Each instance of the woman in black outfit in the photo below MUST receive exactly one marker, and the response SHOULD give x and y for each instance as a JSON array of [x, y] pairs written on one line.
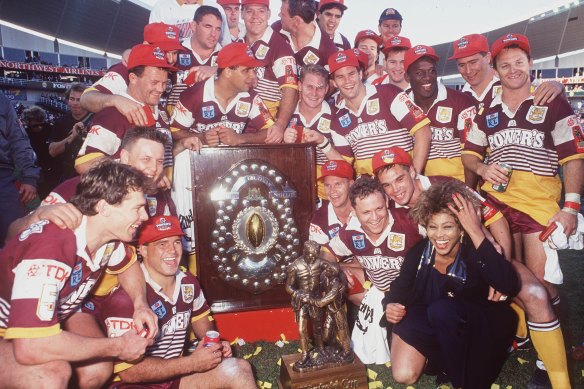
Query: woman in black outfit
[[439, 304]]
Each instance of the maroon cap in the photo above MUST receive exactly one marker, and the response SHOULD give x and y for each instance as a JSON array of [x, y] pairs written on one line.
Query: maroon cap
[[469, 45], [337, 168], [159, 227], [390, 156], [148, 55], [340, 3], [396, 42], [509, 40], [367, 34], [260, 2], [229, 2], [163, 35], [343, 58], [237, 54], [417, 52]]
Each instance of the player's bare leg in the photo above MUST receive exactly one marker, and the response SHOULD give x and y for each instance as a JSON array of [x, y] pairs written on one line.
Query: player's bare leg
[[232, 373]]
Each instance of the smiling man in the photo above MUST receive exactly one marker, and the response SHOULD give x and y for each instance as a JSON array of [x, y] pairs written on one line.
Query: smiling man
[[47, 272], [394, 50], [223, 110], [329, 15], [371, 118], [534, 140], [451, 113], [148, 75]]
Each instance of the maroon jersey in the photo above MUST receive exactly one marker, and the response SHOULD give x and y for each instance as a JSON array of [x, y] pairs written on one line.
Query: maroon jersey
[[46, 273], [486, 98], [159, 204], [198, 110], [107, 130], [451, 117], [317, 51], [280, 71], [387, 117], [175, 313], [114, 81], [382, 259], [187, 60], [324, 225], [341, 41]]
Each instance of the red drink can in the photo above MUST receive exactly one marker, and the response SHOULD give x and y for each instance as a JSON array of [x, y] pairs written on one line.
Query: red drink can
[[210, 338], [547, 232], [299, 134]]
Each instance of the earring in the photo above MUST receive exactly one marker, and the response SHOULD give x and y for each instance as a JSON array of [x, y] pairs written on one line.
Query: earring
[[461, 237]]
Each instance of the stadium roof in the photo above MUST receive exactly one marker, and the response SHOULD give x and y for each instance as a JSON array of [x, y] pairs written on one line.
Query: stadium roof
[[114, 25]]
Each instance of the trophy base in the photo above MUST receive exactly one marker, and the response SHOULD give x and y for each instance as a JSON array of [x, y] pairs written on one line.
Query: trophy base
[[353, 375]]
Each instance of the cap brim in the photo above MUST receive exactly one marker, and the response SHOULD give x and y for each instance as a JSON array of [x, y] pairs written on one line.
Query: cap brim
[[465, 54], [385, 50], [170, 46], [162, 235]]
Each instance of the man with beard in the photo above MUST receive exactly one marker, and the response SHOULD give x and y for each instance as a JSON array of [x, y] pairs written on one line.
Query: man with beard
[[379, 239], [277, 79], [371, 118], [451, 114], [533, 140], [329, 15]]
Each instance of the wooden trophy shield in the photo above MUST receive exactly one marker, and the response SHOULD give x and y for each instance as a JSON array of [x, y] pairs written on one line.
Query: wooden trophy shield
[[251, 214]]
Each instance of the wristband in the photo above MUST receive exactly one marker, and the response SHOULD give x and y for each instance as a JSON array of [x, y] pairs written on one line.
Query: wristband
[[323, 144], [572, 197], [570, 211], [572, 205]]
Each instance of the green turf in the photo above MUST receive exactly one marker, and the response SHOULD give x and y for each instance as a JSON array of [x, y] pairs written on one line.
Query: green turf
[[517, 369]]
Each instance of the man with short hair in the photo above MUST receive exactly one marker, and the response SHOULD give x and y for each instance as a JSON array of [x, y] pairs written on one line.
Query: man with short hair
[[394, 50], [148, 75], [69, 131], [232, 10], [390, 23], [534, 140], [450, 112], [329, 15], [371, 118], [223, 110], [368, 42], [277, 79], [176, 298], [110, 90], [379, 239], [309, 43], [47, 272]]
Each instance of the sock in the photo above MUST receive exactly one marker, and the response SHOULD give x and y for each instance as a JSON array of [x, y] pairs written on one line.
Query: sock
[[521, 323], [548, 341]]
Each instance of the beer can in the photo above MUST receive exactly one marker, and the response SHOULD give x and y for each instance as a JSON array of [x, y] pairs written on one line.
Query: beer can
[[210, 338], [502, 187]]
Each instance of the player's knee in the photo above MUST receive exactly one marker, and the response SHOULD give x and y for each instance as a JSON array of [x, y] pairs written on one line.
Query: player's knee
[[95, 376], [235, 370], [404, 374], [53, 375]]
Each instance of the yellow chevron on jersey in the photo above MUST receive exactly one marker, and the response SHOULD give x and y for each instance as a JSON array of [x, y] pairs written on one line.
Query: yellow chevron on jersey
[[451, 167]]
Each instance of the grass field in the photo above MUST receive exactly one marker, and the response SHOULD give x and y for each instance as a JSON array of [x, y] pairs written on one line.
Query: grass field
[[515, 373]]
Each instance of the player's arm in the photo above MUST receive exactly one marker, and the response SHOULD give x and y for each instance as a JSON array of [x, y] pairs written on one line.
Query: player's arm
[[547, 91], [63, 215], [573, 185], [66, 346], [84, 167], [422, 140], [285, 111], [322, 143], [95, 101], [133, 283]]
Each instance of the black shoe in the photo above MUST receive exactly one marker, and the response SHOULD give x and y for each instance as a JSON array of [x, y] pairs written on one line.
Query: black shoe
[[539, 380]]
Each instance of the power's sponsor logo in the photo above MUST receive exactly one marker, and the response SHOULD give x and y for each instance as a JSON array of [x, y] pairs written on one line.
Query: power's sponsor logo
[[516, 136]]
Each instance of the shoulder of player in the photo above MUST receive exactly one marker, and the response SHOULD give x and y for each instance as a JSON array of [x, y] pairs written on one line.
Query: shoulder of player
[[45, 240], [110, 117]]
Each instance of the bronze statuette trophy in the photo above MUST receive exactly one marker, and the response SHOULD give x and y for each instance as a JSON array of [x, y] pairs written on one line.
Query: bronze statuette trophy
[[318, 289]]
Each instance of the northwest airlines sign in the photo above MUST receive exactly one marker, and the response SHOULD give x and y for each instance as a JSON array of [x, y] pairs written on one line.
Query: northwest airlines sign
[[35, 67]]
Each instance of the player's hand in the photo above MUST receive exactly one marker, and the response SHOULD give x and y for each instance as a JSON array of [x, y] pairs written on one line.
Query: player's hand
[[164, 183], [226, 350], [394, 312], [206, 358], [212, 138], [290, 135], [547, 91], [78, 129], [495, 295], [379, 70], [144, 317], [228, 136], [275, 134], [132, 346], [192, 143], [567, 220], [313, 136], [63, 215], [27, 193], [493, 173], [132, 110], [205, 72]]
